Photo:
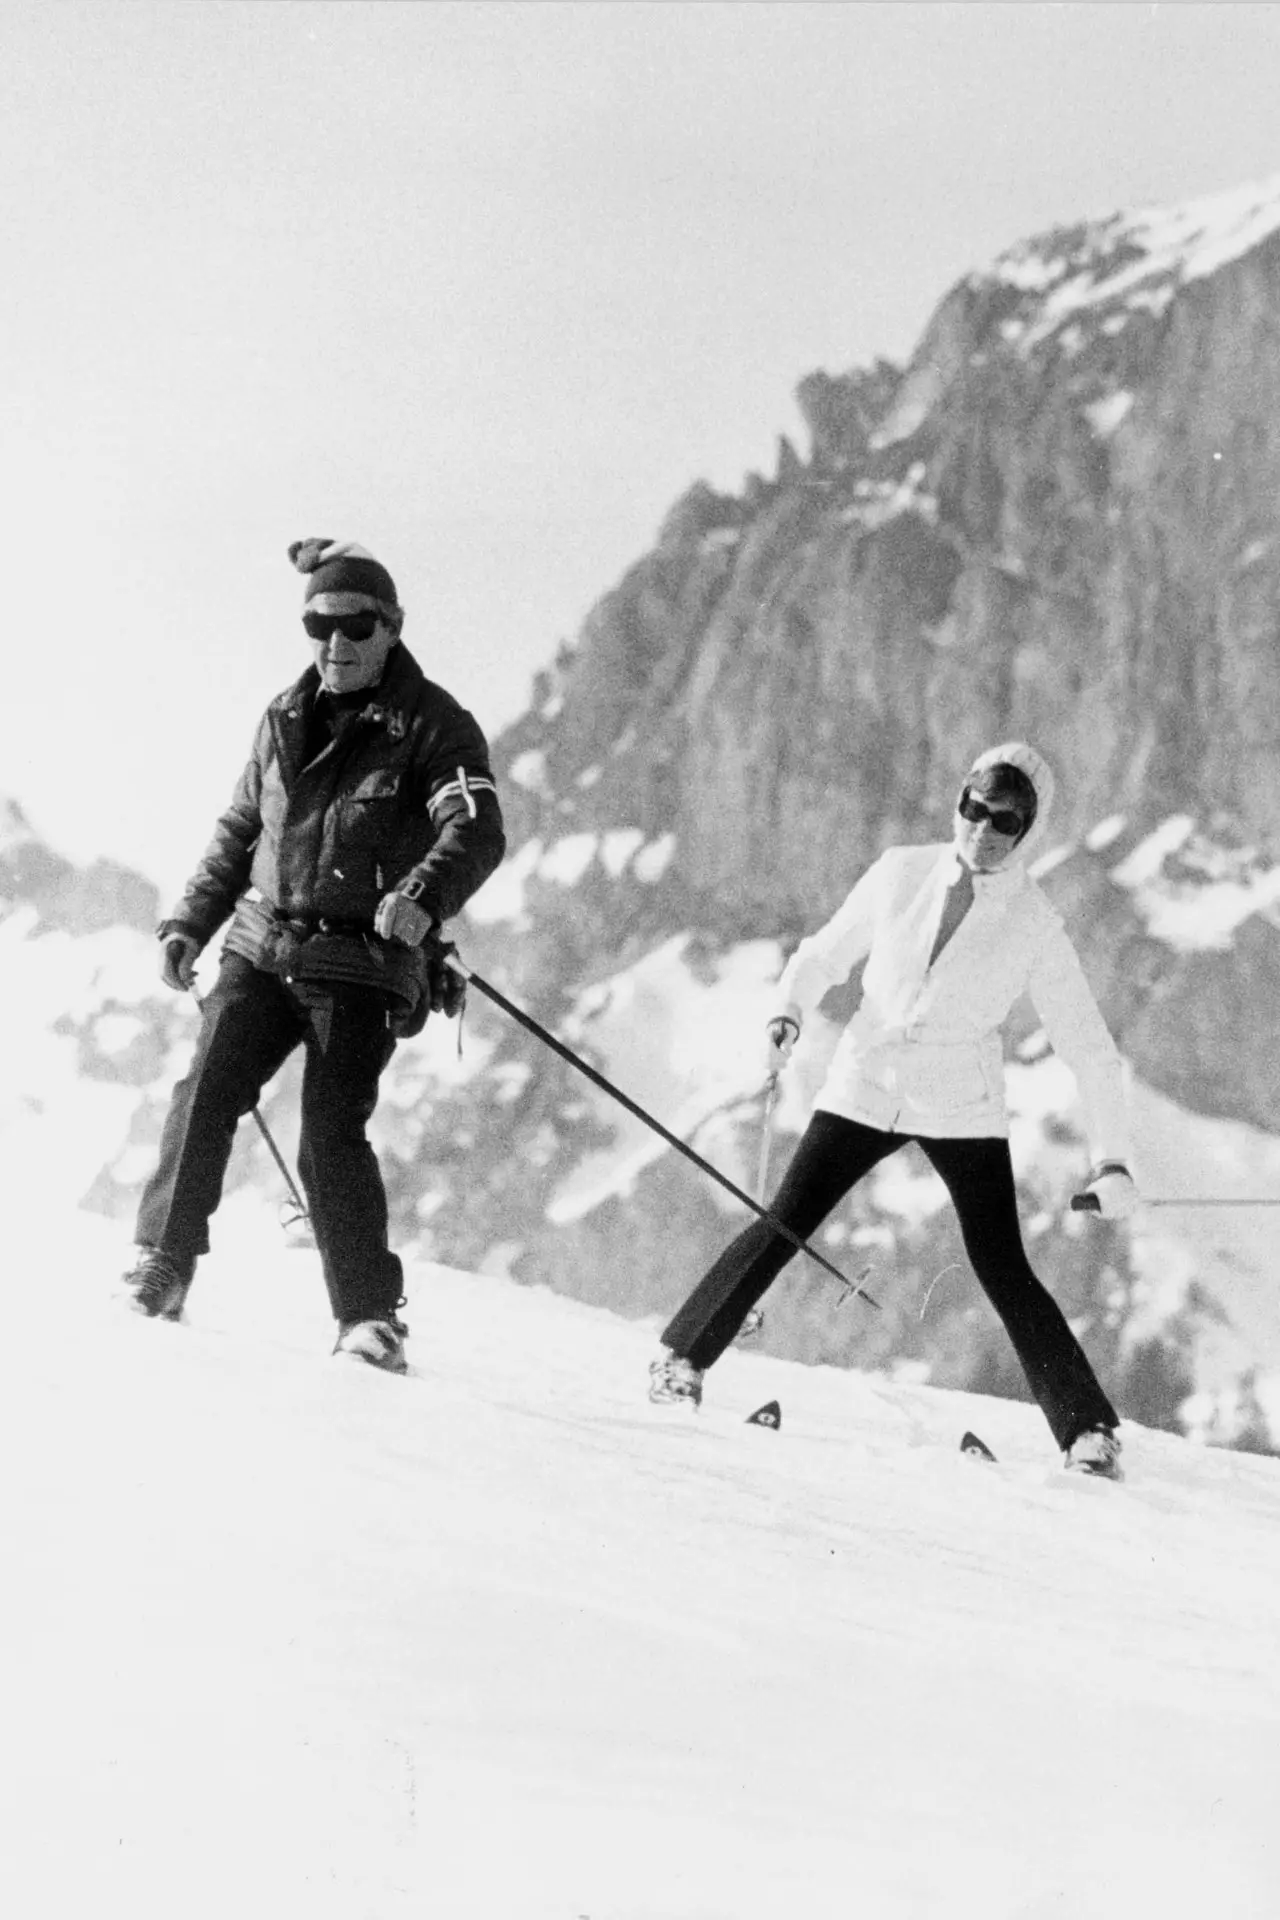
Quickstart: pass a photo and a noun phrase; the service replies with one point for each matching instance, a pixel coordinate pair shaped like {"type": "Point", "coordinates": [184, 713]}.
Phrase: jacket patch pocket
{"type": "Point", "coordinates": [946, 1080]}
{"type": "Point", "coordinates": [369, 814]}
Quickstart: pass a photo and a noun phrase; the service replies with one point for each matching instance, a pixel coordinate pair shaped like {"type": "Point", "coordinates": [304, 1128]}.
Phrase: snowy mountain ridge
{"type": "Point", "coordinates": [500, 1641]}
{"type": "Point", "coordinates": [1131, 263]}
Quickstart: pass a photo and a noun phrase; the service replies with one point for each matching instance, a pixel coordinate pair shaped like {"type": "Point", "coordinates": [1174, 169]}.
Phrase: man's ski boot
{"type": "Point", "coordinates": [1096, 1452]}
{"type": "Point", "coordinates": [158, 1282]}
{"type": "Point", "coordinates": [673, 1380]}
{"type": "Point", "coordinates": [379, 1342]}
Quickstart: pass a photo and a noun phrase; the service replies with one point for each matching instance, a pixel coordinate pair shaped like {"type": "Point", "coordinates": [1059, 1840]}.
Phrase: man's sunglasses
{"type": "Point", "coordinates": [356, 626]}
{"type": "Point", "coordinates": [1005, 821]}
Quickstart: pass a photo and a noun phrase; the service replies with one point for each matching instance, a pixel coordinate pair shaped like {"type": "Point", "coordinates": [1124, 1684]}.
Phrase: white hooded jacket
{"type": "Point", "coordinates": [924, 1053]}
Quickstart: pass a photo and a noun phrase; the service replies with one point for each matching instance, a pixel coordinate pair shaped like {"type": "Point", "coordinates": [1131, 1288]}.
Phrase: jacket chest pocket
{"type": "Point", "coordinates": [370, 816]}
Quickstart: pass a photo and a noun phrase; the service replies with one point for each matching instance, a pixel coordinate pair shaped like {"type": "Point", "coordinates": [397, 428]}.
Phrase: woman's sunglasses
{"type": "Point", "coordinates": [356, 626]}
{"type": "Point", "coordinates": [1005, 821]}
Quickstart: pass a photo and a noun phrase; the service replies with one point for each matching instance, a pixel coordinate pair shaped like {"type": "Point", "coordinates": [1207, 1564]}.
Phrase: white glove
{"type": "Point", "coordinates": [1111, 1189]}
{"type": "Point", "coordinates": [178, 955]}
{"type": "Point", "coordinates": [399, 917]}
{"type": "Point", "coordinates": [781, 1036]}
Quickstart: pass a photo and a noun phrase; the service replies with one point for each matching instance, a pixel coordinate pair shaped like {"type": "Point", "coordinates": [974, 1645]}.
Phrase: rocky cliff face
{"type": "Point", "coordinates": [1059, 522]}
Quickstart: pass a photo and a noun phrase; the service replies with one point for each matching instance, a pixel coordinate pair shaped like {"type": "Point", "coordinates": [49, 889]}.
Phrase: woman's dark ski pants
{"type": "Point", "coordinates": [250, 1023]}
{"type": "Point", "coordinates": [833, 1155]}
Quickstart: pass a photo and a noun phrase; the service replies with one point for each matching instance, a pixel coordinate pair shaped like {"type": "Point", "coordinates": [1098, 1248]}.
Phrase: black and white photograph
{"type": "Point", "coordinates": [640, 960]}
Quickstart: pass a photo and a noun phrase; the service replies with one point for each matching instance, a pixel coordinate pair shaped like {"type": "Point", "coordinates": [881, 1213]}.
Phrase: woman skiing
{"type": "Point", "coordinates": [951, 937]}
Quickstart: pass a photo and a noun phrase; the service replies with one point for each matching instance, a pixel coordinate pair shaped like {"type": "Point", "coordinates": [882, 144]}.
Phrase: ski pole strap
{"type": "Point", "coordinates": [673, 1140]}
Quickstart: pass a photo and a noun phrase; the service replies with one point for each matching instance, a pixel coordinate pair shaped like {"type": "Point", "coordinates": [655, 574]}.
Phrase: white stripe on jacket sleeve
{"type": "Point", "coordinates": [463, 788]}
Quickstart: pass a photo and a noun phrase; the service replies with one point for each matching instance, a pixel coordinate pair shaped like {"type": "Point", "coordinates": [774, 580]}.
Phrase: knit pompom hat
{"type": "Point", "coordinates": [340, 566]}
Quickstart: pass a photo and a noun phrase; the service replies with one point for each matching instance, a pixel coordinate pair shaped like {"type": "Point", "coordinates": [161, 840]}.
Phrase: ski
{"type": "Point", "coordinates": [682, 1415]}
{"type": "Point", "coordinates": [769, 1415]}
{"type": "Point", "coordinates": [977, 1449]}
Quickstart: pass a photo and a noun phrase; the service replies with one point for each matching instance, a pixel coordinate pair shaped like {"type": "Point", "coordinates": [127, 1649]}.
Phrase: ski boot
{"type": "Point", "coordinates": [379, 1342]}
{"type": "Point", "coordinates": [672, 1380]}
{"type": "Point", "coordinates": [158, 1282]}
{"type": "Point", "coordinates": [1096, 1452]}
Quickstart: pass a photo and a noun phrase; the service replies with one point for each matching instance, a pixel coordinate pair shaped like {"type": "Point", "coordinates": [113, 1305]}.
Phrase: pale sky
{"type": "Point", "coordinates": [486, 287]}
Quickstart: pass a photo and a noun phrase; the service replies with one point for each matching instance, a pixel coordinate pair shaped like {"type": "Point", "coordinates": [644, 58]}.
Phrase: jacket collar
{"type": "Point", "coordinates": [1011, 874]}
{"type": "Point", "coordinates": [401, 683]}
{"type": "Point", "coordinates": [391, 705]}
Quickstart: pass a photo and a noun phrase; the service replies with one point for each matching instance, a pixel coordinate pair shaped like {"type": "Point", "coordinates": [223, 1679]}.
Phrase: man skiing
{"type": "Point", "coordinates": [365, 818]}
{"type": "Point", "coordinates": [951, 937]}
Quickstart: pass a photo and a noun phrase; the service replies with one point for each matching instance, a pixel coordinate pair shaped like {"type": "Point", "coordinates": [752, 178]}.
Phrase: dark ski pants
{"type": "Point", "coordinates": [832, 1157]}
{"type": "Point", "coordinates": [251, 1022]}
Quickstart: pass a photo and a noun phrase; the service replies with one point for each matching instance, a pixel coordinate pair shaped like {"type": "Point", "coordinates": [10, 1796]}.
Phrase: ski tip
{"type": "Point", "coordinates": [978, 1448]}
{"type": "Point", "coordinates": [769, 1415]}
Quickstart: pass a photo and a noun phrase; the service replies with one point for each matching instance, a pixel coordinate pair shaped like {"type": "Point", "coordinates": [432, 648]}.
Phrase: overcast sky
{"type": "Point", "coordinates": [486, 286]}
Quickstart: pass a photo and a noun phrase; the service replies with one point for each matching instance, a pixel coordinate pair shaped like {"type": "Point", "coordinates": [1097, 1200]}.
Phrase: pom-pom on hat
{"type": "Point", "coordinates": [340, 566]}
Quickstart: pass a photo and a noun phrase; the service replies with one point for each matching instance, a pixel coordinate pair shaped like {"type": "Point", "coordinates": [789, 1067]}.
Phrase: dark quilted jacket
{"type": "Point", "coordinates": [403, 793]}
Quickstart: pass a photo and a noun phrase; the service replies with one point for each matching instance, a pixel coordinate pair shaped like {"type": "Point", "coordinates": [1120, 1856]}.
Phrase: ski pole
{"type": "Point", "coordinates": [298, 1203]}
{"type": "Point", "coordinates": [762, 1166]}
{"type": "Point", "coordinates": [1210, 1201]}
{"type": "Point", "coordinates": [755, 1315]}
{"type": "Point", "coordinates": [527, 1021]}
{"type": "Point", "coordinates": [1088, 1202]}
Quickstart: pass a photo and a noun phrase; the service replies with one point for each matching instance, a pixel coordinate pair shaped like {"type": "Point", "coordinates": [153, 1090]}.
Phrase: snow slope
{"type": "Point", "coordinates": [286, 1636]}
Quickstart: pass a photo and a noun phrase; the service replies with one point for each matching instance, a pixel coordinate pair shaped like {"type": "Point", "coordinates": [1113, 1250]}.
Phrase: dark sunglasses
{"type": "Point", "coordinates": [1005, 821]}
{"type": "Point", "coordinates": [356, 626]}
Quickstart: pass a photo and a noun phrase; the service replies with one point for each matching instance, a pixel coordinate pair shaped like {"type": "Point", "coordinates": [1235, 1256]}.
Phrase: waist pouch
{"type": "Point", "coordinates": [310, 949]}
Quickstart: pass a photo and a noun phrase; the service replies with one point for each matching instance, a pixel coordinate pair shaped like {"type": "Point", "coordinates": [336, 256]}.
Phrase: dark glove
{"type": "Point", "coordinates": [179, 952]}
{"type": "Point", "coordinates": [781, 1035]}
{"type": "Point", "coordinates": [446, 990]}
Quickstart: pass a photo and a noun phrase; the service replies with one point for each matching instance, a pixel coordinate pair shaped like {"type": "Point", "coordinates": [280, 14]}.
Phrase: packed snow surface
{"type": "Point", "coordinates": [500, 1640]}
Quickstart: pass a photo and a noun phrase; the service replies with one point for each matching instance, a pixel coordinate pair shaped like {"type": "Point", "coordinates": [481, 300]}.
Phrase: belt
{"type": "Point", "coordinates": [307, 925]}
